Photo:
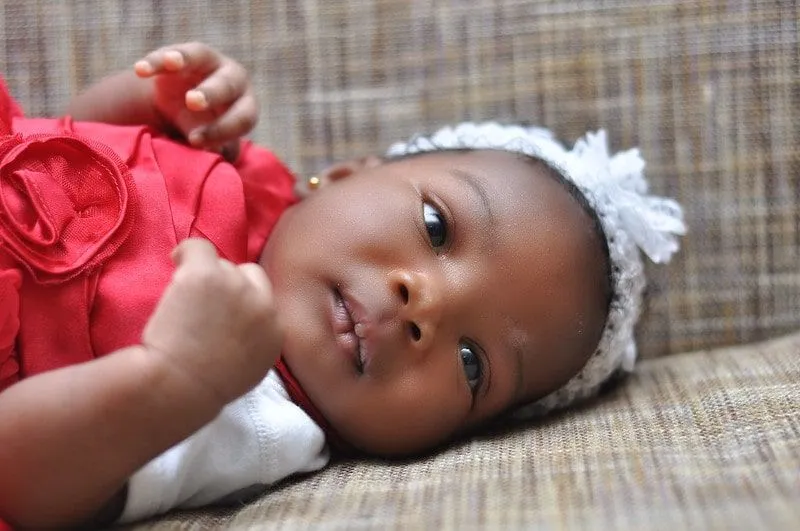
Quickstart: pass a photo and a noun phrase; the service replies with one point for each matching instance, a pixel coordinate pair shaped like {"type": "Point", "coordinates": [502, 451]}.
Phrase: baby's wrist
{"type": "Point", "coordinates": [172, 378]}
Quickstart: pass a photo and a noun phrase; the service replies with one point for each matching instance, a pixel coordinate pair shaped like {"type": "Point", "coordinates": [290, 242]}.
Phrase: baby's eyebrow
{"type": "Point", "coordinates": [488, 222]}
{"type": "Point", "coordinates": [516, 342]}
{"type": "Point", "coordinates": [518, 354]}
{"type": "Point", "coordinates": [471, 181]}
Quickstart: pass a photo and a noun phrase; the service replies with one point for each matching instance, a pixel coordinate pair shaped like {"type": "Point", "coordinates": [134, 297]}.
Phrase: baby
{"type": "Point", "coordinates": [406, 300]}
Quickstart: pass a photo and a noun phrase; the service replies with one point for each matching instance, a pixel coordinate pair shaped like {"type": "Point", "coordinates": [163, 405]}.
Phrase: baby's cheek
{"type": "Point", "coordinates": [409, 415]}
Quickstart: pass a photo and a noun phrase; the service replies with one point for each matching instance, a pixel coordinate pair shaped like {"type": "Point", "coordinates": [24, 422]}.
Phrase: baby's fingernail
{"type": "Point", "coordinates": [196, 137]}
{"type": "Point", "coordinates": [173, 60]}
{"type": "Point", "coordinates": [196, 100]}
{"type": "Point", "coordinates": [143, 68]}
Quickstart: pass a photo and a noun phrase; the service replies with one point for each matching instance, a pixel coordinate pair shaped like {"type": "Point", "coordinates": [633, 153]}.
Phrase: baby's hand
{"type": "Point", "coordinates": [216, 323]}
{"type": "Point", "coordinates": [203, 94]}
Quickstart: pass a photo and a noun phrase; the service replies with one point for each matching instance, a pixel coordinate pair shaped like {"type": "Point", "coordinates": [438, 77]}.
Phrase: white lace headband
{"type": "Point", "coordinates": [632, 220]}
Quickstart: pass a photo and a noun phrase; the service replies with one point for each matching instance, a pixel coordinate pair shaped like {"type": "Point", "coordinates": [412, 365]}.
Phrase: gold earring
{"type": "Point", "coordinates": [313, 182]}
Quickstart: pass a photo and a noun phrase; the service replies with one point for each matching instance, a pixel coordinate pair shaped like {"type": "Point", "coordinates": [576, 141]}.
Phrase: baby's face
{"type": "Point", "coordinates": [425, 296]}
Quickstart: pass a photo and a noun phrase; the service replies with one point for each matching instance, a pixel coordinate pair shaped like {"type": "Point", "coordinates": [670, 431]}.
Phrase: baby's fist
{"type": "Point", "coordinates": [216, 322]}
{"type": "Point", "coordinates": [202, 93]}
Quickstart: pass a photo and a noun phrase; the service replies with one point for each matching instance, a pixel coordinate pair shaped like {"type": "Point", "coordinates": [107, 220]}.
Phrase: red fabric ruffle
{"type": "Point", "coordinates": [89, 215]}
{"type": "Point", "coordinates": [65, 203]}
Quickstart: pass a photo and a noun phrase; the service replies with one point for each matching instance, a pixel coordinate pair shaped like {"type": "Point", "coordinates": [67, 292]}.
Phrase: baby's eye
{"type": "Point", "coordinates": [435, 224]}
{"type": "Point", "coordinates": [472, 366]}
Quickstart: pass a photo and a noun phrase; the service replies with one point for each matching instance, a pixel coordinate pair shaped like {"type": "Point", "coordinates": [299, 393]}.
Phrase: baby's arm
{"type": "Point", "coordinates": [70, 438]}
{"type": "Point", "coordinates": [188, 90]}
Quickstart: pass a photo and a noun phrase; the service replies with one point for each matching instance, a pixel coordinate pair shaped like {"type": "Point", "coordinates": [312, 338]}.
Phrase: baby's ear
{"type": "Point", "coordinates": [335, 172]}
{"type": "Point", "coordinates": [347, 168]}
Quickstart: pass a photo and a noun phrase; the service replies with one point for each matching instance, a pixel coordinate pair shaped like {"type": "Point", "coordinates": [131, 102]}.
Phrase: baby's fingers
{"type": "Point", "coordinates": [195, 252]}
{"type": "Point", "coordinates": [263, 307]}
{"type": "Point", "coordinates": [218, 91]}
{"type": "Point", "coordinates": [194, 57]}
{"type": "Point", "coordinates": [236, 122]}
{"type": "Point", "coordinates": [258, 280]}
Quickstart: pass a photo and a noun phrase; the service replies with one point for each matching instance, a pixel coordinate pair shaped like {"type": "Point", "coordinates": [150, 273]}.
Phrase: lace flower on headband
{"type": "Point", "coordinates": [632, 221]}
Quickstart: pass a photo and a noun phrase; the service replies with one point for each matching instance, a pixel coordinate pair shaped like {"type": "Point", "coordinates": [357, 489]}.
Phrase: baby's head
{"type": "Point", "coordinates": [479, 272]}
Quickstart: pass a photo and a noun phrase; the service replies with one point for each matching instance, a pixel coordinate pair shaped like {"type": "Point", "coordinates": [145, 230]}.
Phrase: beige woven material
{"type": "Point", "coordinates": [709, 90]}
{"type": "Point", "coordinates": [697, 441]}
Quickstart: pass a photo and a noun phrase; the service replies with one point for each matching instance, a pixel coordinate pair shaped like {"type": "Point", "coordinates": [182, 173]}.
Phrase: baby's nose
{"type": "Point", "coordinates": [421, 303]}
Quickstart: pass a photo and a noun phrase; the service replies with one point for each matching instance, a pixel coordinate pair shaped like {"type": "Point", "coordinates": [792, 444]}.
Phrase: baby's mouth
{"type": "Point", "coordinates": [347, 331]}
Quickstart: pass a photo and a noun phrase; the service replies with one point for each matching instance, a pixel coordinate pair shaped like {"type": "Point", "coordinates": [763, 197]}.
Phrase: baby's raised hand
{"type": "Point", "coordinates": [216, 322]}
{"type": "Point", "coordinates": [203, 94]}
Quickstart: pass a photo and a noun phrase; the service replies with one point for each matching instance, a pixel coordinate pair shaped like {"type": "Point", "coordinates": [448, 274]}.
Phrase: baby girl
{"type": "Point", "coordinates": [178, 329]}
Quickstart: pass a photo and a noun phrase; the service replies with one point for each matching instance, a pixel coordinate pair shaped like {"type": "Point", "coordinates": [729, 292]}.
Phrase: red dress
{"type": "Point", "coordinates": [89, 214]}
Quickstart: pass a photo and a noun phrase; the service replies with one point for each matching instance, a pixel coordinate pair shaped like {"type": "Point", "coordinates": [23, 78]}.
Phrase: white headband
{"type": "Point", "coordinates": [632, 220]}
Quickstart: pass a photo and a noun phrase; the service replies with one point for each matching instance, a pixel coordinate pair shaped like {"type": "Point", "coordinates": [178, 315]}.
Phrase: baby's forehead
{"type": "Point", "coordinates": [531, 200]}
{"type": "Point", "coordinates": [541, 189]}
{"type": "Point", "coordinates": [517, 335]}
{"type": "Point", "coordinates": [497, 169]}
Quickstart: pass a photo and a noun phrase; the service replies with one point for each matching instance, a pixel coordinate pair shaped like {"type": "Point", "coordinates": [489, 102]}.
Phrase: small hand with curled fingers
{"type": "Point", "coordinates": [201, 94]}
{"type": "Point", "coordinates": [216, 322]}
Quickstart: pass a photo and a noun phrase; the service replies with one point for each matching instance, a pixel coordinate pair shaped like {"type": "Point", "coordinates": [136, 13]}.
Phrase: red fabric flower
{"type": "Point", "coordinates": [64, 203]}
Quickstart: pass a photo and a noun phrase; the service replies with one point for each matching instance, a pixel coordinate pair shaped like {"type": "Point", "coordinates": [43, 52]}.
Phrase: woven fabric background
{"type": "Point", "coordinates": [710, 90]}
{"type": "Point", "coordinates": [697, 441]}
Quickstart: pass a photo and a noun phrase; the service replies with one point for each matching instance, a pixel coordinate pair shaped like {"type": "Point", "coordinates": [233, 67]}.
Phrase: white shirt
{"type": "Point", "coordinates": [257, 440]}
